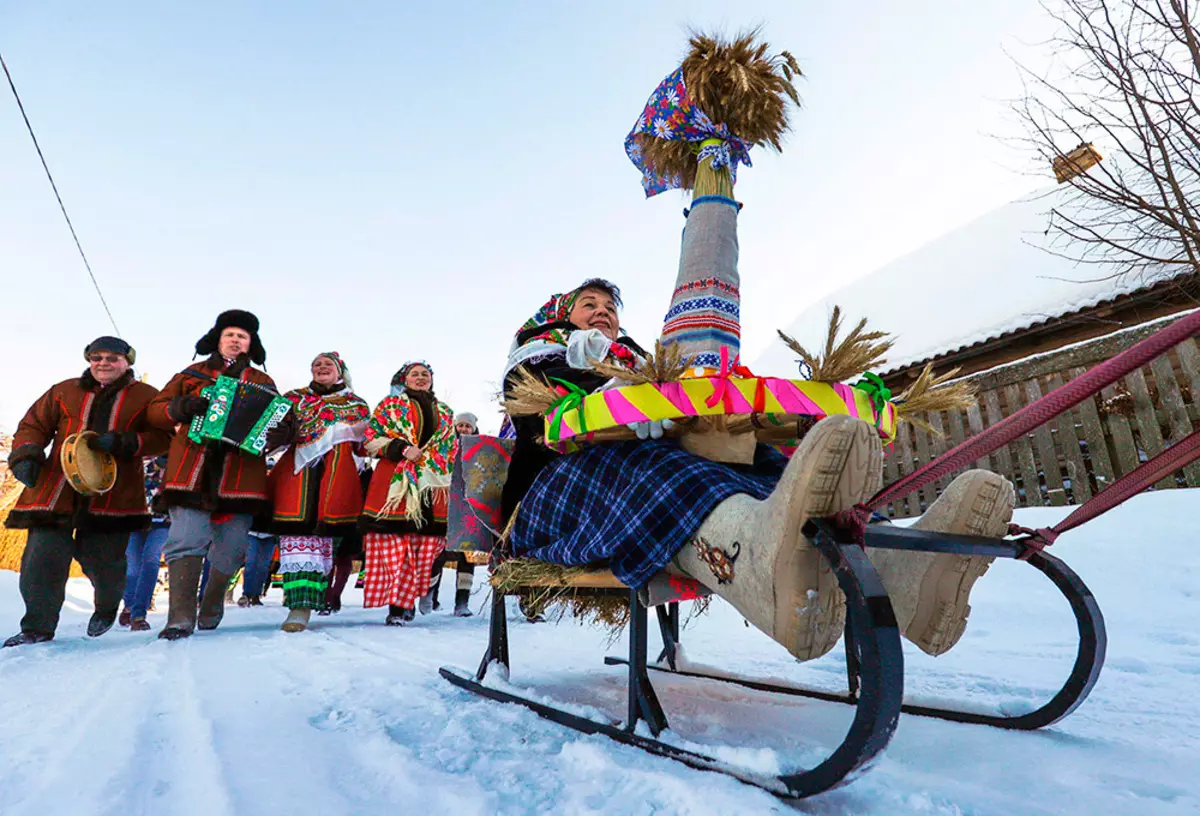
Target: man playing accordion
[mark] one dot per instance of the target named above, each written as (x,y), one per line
(213,489)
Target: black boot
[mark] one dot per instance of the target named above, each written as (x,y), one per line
(183,579)
(25,638)
(396,616)
(100,623)
(212,605)
(462,598)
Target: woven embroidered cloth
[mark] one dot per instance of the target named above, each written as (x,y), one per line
(670,114)
(399,417)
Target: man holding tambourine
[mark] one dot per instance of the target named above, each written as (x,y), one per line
(85,499)
(216,480)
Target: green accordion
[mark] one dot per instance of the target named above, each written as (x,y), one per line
(239,414)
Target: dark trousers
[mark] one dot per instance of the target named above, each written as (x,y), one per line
(46,565)
(464,572)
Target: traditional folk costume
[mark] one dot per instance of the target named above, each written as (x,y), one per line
(213,490)
(64,524)
(404,518)
(317,494)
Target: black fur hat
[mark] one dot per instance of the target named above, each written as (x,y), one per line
(234,318)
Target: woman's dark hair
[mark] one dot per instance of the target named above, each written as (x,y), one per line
(601,285)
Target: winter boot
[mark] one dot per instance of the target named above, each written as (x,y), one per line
(426,603)
(101,622)
(125,618)
(212,605)
(297,619)
(930,591)
(243,602)
(26,638)
(183,576)
(139,625)
(752,554)
(396,616)
(462,598)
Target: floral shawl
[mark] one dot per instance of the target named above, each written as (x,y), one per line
(324,421)
(554,339)
(399,417)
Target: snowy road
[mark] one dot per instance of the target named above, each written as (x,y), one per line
(352,717)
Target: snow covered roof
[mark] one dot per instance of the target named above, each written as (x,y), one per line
(980,282)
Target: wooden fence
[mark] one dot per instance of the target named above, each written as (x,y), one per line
(1074,456)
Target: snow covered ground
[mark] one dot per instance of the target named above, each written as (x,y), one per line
(352,717)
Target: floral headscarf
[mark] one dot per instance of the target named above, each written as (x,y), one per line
(399,417)
(553,341)
(343,369)
(324,421)
(398,378)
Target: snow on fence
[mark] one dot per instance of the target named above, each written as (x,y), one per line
(1074,456)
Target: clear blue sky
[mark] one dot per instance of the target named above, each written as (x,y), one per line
(398,180)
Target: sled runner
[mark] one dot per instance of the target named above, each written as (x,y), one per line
(879,663)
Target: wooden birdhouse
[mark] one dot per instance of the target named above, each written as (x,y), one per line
(1077,161)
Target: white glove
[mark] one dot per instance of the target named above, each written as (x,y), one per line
(587,347)
(651,429)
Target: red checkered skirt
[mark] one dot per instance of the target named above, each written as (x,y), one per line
(398,567)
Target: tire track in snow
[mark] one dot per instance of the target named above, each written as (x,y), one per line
(173,766)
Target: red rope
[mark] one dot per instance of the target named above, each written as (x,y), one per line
(1051,405)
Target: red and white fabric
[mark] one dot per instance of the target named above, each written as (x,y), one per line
(398,567)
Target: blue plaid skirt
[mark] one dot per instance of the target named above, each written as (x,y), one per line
(630,505)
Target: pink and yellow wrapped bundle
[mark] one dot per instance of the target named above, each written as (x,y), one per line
(579,418)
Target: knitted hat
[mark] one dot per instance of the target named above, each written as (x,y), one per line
(233,319)
(114,344)
(467,417)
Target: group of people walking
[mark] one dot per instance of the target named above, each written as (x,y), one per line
(200,504)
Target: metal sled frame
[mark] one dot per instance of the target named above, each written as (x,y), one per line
(879,678)
(1089,657)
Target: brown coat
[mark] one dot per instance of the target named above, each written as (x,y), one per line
(72,406)
(215,477)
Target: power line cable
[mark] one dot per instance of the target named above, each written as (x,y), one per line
(54,187)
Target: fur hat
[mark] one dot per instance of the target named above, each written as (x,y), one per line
(108,343)
(235,319)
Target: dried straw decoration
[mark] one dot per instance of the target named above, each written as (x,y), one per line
(930,394)
(666,364)
(529,395)
(739,84)
(859,351)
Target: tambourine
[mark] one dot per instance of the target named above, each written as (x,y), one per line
(89,472)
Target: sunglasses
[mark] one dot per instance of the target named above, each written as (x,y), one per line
(105,358)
